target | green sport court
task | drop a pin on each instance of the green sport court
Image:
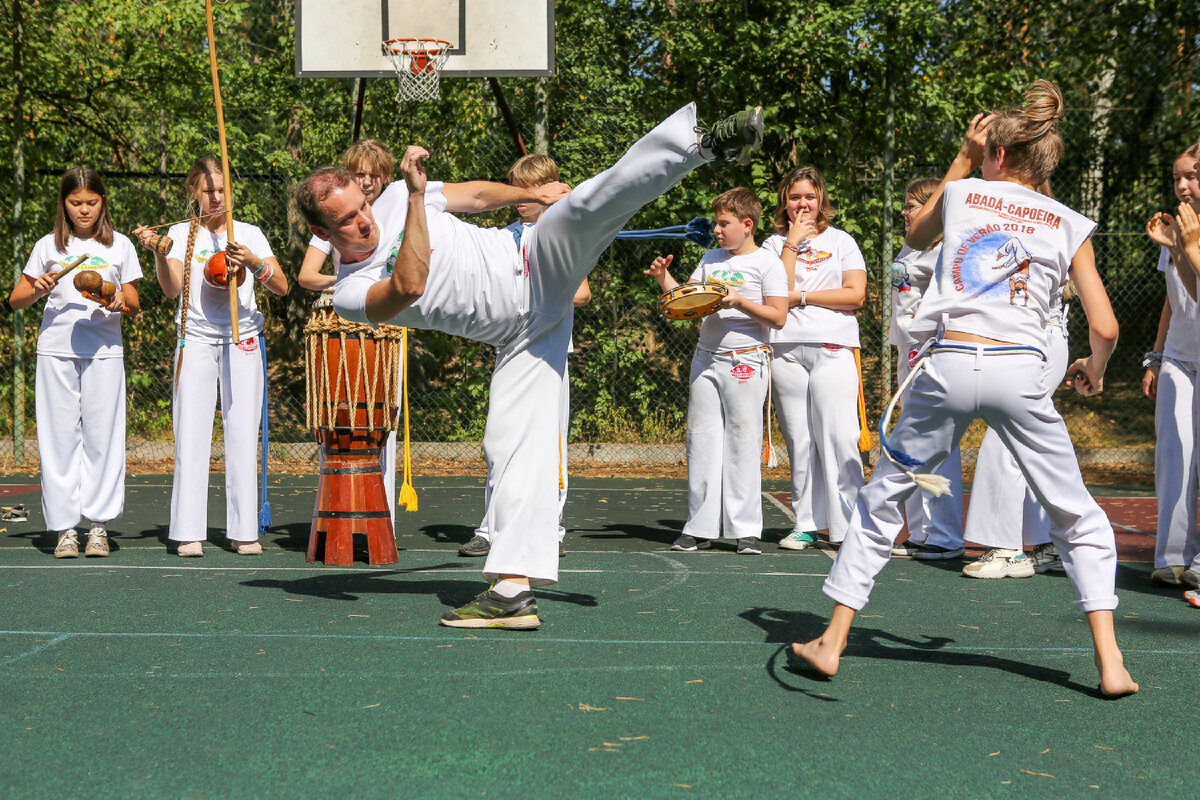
(654, 674)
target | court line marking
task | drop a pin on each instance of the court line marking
(61, 636)
(334, 571)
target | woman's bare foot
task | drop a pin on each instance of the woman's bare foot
(823, 656)
(1115, 680)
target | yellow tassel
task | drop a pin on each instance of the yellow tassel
(408, 495)
(864, 433)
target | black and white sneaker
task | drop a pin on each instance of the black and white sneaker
(478, 546)
(690, 544)
(933, 552)
(749, 546)
(734, 138)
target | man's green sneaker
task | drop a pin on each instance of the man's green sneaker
(734, 138)
(490, 610)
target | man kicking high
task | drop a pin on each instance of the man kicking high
(406, 261)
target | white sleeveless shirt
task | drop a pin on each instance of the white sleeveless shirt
(1005, 256)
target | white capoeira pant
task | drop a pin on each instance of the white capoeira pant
(724, 443)
(1175, 469)
(1009, 392)
(80, 407)
(1004, 511)
(815, 393)
(238, 370)
(933, 520)
(564, 425)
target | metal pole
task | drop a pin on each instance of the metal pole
(18, 241)
(360, 94)
(541, 117)
(889, 163)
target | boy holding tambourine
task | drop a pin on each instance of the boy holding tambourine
(729, 377)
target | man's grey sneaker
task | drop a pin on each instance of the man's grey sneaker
(907, 548)
(998, 563)
(933, 552)
(1190, 578)
(1168, 576)
(734, 138)
(690, 544)
(491, 610)
(799, 540)
(478, 546)
(749, 546)
(1045, 559)
(68, 545)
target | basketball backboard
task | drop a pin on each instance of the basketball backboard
(491, 38)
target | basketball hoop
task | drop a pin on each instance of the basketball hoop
(418, 64)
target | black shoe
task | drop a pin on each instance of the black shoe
(478, 546)
(690, 544)
(749, 546)
(734, 138)
(490, 610)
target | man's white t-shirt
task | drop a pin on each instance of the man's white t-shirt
(828, 255)
(208, 307)
(1005, 256)
(1182, 343)
(72, 325)
(476, 285)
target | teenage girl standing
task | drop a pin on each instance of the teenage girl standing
(80, 382)
(208, 358)
(814, 377)
(1007, 250)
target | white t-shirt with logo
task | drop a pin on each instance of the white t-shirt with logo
(208, 307)
(1182, 332)
(911, 272)
(477, 285)
(72, 325)
(1006, 253)
(820, 266)
(756, 276)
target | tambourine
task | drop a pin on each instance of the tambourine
(692, 300)
(93, 287)
(216, 272)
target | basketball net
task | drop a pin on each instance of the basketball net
(418, 64)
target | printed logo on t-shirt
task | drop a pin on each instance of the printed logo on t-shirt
(743, 372)
(812, 259)
(727, 277)
(248, 345)
(900, 278)
(393, 254)
(992, 263)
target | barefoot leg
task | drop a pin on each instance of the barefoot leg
(1115, 680)
(823, 654)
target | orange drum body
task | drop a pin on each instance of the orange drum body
(692, 300)
(352, 375)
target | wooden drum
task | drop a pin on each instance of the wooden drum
(352, 378)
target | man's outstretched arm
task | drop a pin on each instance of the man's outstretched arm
(475, 196)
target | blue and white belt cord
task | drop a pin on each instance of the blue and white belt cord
(936, 485)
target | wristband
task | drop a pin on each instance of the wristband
(803, 298)
(1152, 360)
(795, 248)
(262, 262)
(266, 276)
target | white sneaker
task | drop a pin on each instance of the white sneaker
(998, 563)
(97, 543)
(248, 548)
(68, 544)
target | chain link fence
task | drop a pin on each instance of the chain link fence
(142, 119)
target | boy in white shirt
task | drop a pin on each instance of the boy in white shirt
(729, 378)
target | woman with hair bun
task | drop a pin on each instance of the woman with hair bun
(1007, 251)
